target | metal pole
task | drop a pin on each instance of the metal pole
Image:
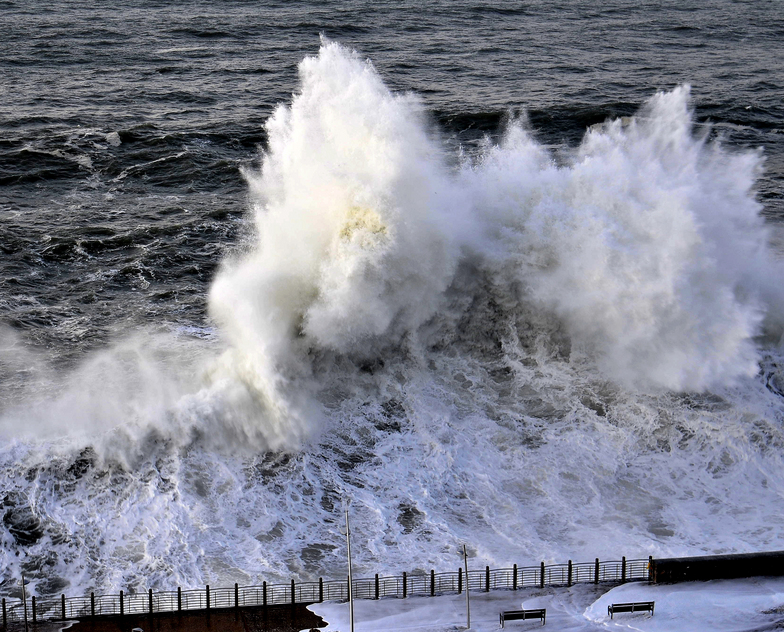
(468, 601)
(350, 575)
(24, 598)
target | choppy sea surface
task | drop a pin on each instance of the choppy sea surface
(505, 274)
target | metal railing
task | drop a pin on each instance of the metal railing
(405, 585)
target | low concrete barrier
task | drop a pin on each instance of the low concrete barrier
(704, 568)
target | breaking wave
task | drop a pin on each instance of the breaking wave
(545, 354)
(643, 250)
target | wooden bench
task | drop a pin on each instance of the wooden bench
(510, 615)
(637, 606)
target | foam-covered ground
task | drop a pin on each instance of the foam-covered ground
(745, 605)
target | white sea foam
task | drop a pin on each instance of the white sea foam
(544, 358)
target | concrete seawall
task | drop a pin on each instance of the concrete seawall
(707, 567)
(250, 619)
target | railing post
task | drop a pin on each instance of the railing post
(321, 590)
(122, 604)
(514, 577)
(378, 587)
(236, 595)
(5, 616)
(569, 574)
(208, 596)
(293, 594)
(432, 583)
(264, 594)
(623, 569)
(650, 569)
(62, 601)
(459, 580)
(541, 576)
(405, 587)
(487, 579)
(179, 599)
(34, 609)
(149, 596)
(92, 603)
(596, 571)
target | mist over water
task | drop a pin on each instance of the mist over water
(546, 353)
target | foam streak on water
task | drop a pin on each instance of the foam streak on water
(546, 356)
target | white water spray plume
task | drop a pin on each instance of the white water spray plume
(646, 252)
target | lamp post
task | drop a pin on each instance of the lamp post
(350, 573)
(24, 599)
(468, 601)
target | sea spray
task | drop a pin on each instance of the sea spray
(499, 354)
(647, 245)
(355, 227)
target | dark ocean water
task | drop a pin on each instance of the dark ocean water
(123, 133)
